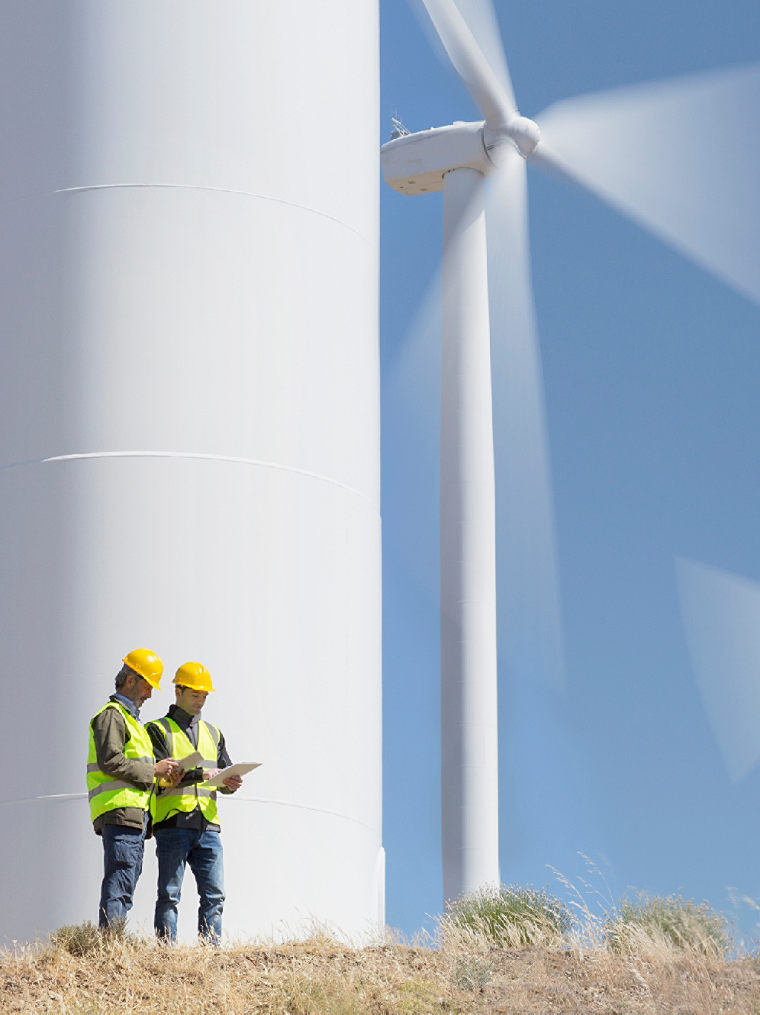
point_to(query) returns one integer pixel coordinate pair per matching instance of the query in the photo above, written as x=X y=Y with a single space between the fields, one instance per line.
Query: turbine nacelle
x=417 y=163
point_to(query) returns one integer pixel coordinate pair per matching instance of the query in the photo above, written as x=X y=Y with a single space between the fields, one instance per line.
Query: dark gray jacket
x=189 y=725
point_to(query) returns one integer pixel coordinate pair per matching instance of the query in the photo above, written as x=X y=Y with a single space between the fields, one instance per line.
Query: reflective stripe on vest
x=184 y=799
x=106 y=793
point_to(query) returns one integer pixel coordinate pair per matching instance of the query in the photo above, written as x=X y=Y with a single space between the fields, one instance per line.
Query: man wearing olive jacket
x=121 y=770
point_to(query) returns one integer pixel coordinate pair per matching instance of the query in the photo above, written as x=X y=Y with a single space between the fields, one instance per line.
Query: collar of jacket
x=130 y=706
x=182 y=718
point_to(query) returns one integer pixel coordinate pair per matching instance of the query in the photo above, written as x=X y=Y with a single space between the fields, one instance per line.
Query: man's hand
x=176 y=779
x=209 y=773
x=168 y=770
x=234 y=782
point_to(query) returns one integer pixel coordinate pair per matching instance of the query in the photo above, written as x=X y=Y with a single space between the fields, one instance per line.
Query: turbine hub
x=521 y=132
x=525 y=133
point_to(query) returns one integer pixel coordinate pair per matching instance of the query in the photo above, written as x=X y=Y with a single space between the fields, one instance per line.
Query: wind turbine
x=670 y=156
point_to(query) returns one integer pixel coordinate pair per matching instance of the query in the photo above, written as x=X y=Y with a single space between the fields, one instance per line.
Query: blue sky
x=650 y=369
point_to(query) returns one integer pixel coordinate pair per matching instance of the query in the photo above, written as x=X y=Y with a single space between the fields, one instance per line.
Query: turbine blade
x=489 y=86
x=679 y=157
x=480 y=18
x=411 y=433
x=721 y=618
x=528 y=597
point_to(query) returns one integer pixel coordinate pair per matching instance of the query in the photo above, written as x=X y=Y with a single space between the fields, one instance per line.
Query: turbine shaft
x=469 y=726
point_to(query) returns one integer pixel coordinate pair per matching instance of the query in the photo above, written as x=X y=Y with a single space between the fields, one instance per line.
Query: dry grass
x=321 y=977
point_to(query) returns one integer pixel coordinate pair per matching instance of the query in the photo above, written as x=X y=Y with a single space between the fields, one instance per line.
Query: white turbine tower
x=190 y=433
x=653 y=153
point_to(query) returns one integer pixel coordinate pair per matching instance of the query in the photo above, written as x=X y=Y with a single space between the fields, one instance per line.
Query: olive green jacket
x=110 y=735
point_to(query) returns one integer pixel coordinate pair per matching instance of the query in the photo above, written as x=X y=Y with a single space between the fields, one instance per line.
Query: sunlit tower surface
x=190 y=432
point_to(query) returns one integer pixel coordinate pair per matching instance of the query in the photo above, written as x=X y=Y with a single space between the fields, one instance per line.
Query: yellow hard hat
x=147 y=664
x=195 y=676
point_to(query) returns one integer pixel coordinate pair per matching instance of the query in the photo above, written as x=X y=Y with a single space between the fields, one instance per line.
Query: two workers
x=135 y=778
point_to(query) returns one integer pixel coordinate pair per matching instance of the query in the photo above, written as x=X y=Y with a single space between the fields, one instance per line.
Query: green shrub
x=509 y=916
x=77 y=939
x=668 y=921
x=83 y=938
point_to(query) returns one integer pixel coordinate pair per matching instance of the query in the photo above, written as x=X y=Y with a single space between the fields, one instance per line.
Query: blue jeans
x=176 y=847
x=123 y=849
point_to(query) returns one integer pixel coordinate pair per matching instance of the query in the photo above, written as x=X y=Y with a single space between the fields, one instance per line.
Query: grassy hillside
x=465 y=974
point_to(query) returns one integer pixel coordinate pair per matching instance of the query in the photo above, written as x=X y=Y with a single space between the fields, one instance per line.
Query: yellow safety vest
x=184 y=799
x=106 y=793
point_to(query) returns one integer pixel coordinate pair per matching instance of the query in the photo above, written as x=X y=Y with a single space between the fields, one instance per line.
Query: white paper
x=241 y=768
x=193 y=760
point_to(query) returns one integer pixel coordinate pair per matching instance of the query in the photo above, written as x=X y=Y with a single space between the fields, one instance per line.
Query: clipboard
x=242 y=768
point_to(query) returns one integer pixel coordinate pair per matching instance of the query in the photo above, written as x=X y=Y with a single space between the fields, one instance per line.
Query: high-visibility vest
x=184 y=799
x=106 y=793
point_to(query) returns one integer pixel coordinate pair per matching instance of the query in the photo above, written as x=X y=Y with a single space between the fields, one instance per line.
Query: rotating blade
x=527 y=575
x=411 y=436
x=480 y=18
x=721 y=618
x=488 y=83
x=679 y=157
